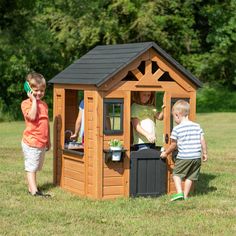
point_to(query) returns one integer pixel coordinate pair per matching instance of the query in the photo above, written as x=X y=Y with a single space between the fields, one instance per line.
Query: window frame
x=108 y=101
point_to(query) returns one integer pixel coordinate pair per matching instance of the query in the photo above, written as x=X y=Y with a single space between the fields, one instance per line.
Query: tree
x=47 y=36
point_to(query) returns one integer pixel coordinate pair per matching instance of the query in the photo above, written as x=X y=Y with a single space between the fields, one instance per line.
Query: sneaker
x=177 y=196
x=41 y=194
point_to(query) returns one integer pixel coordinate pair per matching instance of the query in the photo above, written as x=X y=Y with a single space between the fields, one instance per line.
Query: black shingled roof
x=103 y=62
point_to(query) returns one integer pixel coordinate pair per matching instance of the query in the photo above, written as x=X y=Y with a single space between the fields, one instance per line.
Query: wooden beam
x=157 y=75
x=173 y=72
x=148 y=67
x=136 y=72
x=116 y=79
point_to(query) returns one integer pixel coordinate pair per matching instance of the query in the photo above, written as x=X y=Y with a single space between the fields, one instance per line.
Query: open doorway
x=74 y=112
x=148 y=172
x=146 y=115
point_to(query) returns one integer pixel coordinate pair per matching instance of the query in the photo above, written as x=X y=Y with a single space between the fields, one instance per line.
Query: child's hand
x=74 y=136
x=163 y=155
x=31 y=96
x=204 y=157
x=48 y=146
x=151 y=138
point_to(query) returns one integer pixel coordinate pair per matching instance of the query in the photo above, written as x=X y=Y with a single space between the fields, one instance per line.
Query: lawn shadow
x=47 y=186
x=202 y=185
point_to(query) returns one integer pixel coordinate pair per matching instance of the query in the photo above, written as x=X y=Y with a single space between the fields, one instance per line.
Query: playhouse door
x=168 y=120
x=169 y=124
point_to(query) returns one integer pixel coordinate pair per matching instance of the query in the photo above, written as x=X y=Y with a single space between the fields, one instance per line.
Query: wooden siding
x=58 y=132
x=89 y=144
x=116 y=174
x=181 y=79
x=149 y=81
x=73 y=174
x=93 y=142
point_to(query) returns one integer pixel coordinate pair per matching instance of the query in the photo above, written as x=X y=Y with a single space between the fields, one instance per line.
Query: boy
x=189 y=138
x=36 y=136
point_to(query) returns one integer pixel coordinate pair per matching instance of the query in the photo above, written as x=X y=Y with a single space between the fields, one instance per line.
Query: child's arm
x=77 y=126
x=160 y=115
x=31 y=115
x=204 y=148
x=170 y=149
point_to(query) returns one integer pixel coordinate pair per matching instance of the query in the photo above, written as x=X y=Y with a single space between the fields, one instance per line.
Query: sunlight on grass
x=210 y=211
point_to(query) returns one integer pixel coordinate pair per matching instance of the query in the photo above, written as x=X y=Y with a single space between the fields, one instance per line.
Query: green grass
x=210 y=211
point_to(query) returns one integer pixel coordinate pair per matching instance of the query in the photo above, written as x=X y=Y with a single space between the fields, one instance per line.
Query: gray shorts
x=34 y=157
x=187 y=169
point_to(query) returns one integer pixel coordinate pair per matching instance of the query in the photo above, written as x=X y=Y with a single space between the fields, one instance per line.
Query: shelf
x=108 y=155
x=79 y=152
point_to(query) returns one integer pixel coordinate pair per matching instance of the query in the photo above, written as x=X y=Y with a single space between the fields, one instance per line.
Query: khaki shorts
x=187 y=169
x=34 y=157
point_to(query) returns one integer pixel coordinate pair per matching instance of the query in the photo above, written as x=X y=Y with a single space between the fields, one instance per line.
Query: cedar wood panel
x=116 y=174
x=93 y=177
x=58 y=132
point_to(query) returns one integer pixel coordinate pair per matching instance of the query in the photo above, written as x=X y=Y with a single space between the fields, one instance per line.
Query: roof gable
x=103 y=62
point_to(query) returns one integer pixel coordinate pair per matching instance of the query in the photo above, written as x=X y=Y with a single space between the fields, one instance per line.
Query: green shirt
x=146 y=115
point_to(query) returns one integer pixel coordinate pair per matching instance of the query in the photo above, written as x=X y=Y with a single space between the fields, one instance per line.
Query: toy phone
x=27 y=87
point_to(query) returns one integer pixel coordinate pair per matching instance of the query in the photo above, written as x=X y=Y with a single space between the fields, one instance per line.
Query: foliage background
x=47 y=36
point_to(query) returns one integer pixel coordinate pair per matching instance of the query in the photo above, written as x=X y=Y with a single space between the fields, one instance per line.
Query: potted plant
x=116 y=149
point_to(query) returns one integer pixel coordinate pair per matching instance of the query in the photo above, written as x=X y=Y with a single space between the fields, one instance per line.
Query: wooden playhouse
x=107 y=76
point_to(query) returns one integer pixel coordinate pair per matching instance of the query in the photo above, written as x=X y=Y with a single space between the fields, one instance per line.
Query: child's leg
x=31 y=178
x=178 y=183
x=187 y=187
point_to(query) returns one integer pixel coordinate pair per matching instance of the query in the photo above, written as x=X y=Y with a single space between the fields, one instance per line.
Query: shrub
x=216 y=99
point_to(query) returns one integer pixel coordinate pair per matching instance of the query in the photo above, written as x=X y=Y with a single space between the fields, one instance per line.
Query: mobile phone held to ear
x=27 y=87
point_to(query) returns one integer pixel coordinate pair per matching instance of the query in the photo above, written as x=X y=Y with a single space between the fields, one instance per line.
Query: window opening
x=155 y=67
x=141 y=67
x=130 y=77
x=165 y=77
x=74 y=123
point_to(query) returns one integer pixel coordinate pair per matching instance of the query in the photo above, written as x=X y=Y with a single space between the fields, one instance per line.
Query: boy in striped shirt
x=188 y=137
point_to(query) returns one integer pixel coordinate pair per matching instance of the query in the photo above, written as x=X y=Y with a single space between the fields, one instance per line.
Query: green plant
x=115 y=143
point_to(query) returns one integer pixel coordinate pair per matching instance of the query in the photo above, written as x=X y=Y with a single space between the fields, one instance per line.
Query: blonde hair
x=182 y=107
x=136 y=98
x=36 y=79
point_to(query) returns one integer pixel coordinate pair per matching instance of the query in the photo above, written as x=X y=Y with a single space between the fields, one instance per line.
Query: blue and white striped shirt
x=188 y=137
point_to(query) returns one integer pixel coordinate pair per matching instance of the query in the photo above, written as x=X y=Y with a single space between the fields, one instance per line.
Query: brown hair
x=182 y=107
x=136 y=98
x=35 y=79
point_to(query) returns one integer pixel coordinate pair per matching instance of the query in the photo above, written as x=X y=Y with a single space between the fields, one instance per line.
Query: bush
x=216 y=99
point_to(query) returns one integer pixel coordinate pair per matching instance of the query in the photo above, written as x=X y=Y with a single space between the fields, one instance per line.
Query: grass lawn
x=210 y=211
